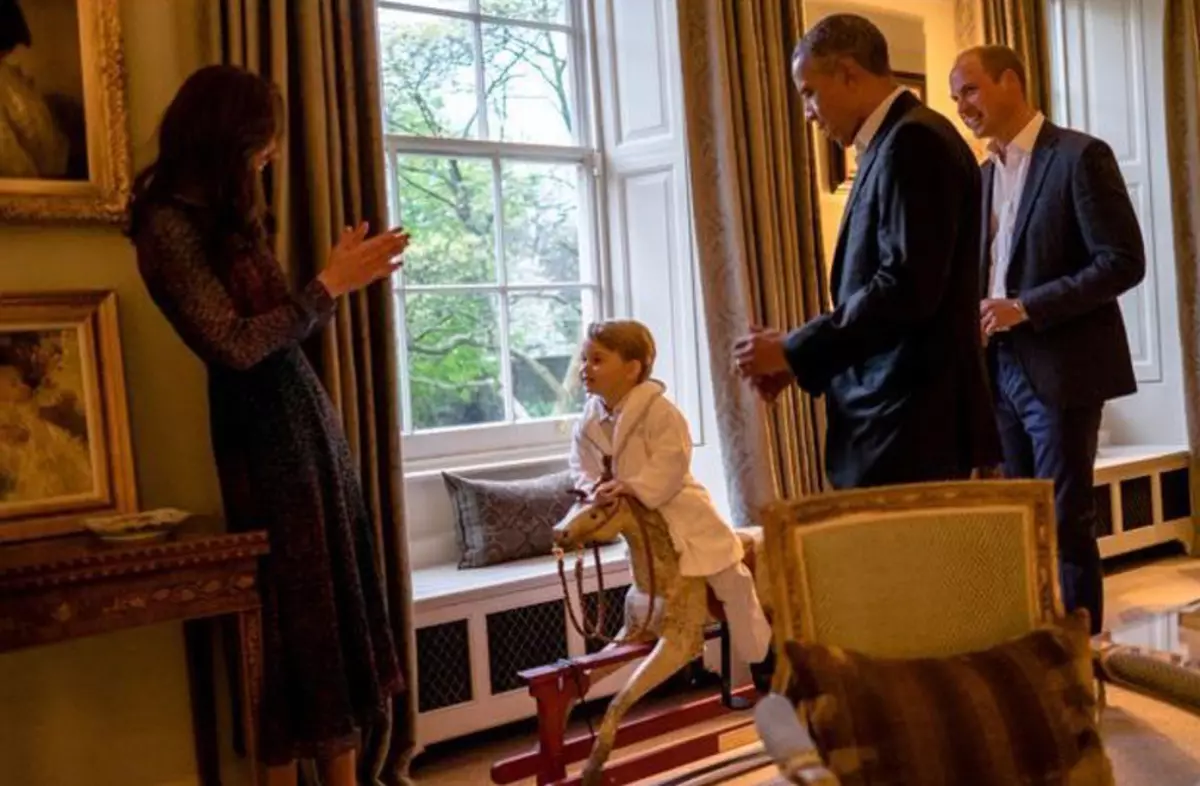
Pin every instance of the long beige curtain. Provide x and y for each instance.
(1181, 53)
(322, 54)
(757, 230)
(1020, 24)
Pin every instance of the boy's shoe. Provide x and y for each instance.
(763, 671)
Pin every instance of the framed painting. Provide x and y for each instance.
(842, 163)
(64, 132)
(65, 451)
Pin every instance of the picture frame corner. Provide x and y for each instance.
(101, 197)
(100, 401)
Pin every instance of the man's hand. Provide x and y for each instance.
(608, 492)
(996, 316)
(760, 354)
(768, 388)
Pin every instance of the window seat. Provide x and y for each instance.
(1143, 497)
(446, 584)
(477, 628)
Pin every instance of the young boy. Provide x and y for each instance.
(633, 441)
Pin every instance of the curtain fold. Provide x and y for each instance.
(323, 56)
(757, 231)
(1181, 55)
(1020, 24)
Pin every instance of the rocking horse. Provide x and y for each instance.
(666, 615)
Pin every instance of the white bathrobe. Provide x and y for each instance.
(652, 456)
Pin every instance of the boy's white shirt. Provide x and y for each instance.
(651, 447)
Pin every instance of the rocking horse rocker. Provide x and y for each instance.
(667, 618)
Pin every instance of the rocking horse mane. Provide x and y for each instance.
(654, 521)
(647, 524)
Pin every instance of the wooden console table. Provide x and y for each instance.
(65, 588)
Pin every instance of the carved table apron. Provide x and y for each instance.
(65, 588)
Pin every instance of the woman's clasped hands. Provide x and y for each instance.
(355, 262)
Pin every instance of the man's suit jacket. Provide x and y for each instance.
(1076, 247)
(899, 359)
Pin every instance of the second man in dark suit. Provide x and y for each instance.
(898, 360)
(1060, 244)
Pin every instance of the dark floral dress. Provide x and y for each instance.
(330, 663)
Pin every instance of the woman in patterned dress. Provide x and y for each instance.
(200, 227)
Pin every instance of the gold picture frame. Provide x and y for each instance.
(65, 448)
(842, 163)
(75, 97)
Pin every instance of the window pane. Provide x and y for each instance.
(454, 360)
(445, 5)
(446, 204)
(541, 222)
(427, 64)
(553, 11)
(546, 330)
(529, 86)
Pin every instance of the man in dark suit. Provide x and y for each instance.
(1060, 243)
(898, 359)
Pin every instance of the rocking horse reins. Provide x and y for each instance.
(596, 631)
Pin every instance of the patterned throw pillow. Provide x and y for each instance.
(503, 520)
(1021, 713)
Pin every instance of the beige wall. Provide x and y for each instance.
(936, 19)
(113, 710)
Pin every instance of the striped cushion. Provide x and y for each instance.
(1023, 712)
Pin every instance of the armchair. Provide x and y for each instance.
(933, 571)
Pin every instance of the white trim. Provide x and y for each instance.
(508, 586)
(490, 289)
(598, 204)
(487, 148)
(435, 450)
(503, 301)
(481, 107)
(1114, 465)
(438, 586)
(486, 442)
(475, 15)
(484, 464)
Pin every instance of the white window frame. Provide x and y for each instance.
(1089, 43)
(511, 440)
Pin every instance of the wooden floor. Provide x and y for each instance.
(469, 760)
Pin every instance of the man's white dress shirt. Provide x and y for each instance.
(1010, 168)
(870, 126)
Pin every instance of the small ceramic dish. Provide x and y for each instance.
(146, 526)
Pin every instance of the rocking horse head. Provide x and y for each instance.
(589, 521)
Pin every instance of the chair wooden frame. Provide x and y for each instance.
(788, 523)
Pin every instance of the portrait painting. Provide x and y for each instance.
(64, 442)
(64, 142)
(842, 163)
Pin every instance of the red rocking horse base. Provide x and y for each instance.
(558, 687)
